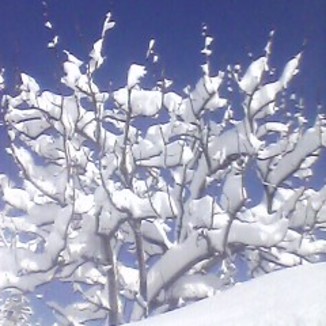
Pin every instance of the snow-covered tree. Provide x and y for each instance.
(140, 200)
(15, 310)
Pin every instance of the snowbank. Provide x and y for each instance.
(291, 297)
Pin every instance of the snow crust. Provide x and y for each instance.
(291, 297)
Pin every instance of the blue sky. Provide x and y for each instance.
(238, 26)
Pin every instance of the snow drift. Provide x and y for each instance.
(291, 297)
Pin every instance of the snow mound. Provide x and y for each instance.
(291, 297)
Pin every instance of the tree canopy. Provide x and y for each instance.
(140, 200)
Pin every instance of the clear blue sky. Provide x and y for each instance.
(238, 26)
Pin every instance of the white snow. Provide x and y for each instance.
(142, 102)
(96, 56)
(135, 73)
(48, 25)
(253, 75)
(54, 42)
(291, 69)
(88, 167)
(2, 80)
(150, 48)
(108, 24)
(291, 297)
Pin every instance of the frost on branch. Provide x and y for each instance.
(15, 309)
(149, 219)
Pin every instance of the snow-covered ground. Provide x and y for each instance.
(291, 297)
